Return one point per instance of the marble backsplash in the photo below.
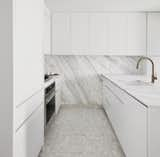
(81, 83)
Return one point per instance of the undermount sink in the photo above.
(138, 83)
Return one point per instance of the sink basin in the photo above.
(138, 83)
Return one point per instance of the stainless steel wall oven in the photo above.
(49, 102)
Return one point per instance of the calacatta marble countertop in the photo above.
(145, 92)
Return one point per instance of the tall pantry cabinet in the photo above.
(21, 82)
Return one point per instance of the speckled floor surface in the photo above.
(81, 132)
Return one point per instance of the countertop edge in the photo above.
(116, 84)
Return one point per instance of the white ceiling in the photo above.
(104, 5)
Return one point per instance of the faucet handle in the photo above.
(155, 76)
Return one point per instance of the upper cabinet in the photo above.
(79, 33)
(127, 34)
(118, 30)
(47, 32)
(27, 49)
(61, 36)
(137, 34)
(99, 34)
(154, 34)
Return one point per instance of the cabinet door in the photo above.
(153, 132)
(23, 111)
(28, 52)
(131, 130)
(115, 113)
(118, 33)
(136, 34)
(29, 138)
(133, 134)
(47, 32)
(60, 34)
(154, 34)
(79, 33)
(58, 94)
(99, 33)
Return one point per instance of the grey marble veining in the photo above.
(139, 87)
(81, 83)
(81, 131)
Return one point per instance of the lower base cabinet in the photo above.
(58, 94)
(29, 138)
(129, 120)
(134, 123)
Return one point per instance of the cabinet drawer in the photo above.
(58, 100)
(29, 138)
(129, 120)
(134, 127)
(23, 111)
(58, 82)
(113, 108)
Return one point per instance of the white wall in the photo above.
(104, 5)
(6, 78)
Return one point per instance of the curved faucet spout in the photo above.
(153, 78)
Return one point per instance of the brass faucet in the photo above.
(153, 78)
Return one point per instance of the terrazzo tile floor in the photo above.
(81, 132)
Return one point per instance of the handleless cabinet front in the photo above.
(128, 118)
(29, 138)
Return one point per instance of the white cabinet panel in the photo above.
(29, 138)
(23, 111)
(79, 32)
(47, 32)
(61, 42)
(58, 86)
(137, 33)
(27, 45)
(118, 33)
(153, 132)
(154, 34)
(98, 33)
(133, 135)
(131, 130)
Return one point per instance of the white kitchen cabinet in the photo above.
(29, 137)
(118, 30)
(131, 130)
(153, 34)
(127, 34)
(153, 132)
(134, 123)
(58, 89)
(99, 33)
(22, 88)
(27, 49)
(136, 34)
(47, 32)
(61, 35)
(23, 111)
(79, 33)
